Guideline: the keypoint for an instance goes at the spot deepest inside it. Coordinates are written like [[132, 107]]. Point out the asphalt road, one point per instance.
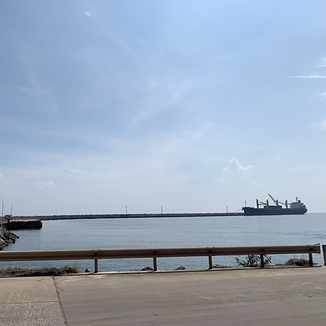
[[282, 296]]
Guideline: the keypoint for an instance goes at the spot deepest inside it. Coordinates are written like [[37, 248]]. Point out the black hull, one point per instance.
[[251, 211]]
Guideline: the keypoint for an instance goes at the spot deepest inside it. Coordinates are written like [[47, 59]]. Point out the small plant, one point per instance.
[[253, 261]]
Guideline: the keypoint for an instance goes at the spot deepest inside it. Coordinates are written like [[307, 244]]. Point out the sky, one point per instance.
[[166, 105]]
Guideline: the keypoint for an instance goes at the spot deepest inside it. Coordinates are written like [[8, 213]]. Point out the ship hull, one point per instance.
[[251, 211]]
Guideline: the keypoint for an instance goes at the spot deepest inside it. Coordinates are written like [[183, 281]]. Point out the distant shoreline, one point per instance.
[[122, 216]]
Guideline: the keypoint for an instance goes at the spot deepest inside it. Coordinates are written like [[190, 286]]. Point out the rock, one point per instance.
[[147, 269], [220, 266], [6, 237], [180, 268]]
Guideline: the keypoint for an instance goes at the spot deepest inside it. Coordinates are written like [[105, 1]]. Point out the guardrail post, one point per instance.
[[210, 262], [311, 263], [95, 265], [155, 263], [324, 253], [262, 262]]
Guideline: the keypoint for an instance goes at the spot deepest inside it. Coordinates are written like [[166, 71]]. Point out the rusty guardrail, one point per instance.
[[154, 253]]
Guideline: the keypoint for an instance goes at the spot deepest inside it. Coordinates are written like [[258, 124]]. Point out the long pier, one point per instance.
[[124, 216]]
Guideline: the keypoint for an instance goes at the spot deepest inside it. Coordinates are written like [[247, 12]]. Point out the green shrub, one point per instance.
[[253, 261]]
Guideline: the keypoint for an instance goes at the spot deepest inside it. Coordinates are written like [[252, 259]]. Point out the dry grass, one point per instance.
[[297, 262], [45, 271]]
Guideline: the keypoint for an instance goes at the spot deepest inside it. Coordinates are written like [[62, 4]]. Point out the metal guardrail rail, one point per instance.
[[154, 253]]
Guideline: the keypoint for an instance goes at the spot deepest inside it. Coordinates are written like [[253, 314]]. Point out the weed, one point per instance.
[[45, 271], [253, 261]]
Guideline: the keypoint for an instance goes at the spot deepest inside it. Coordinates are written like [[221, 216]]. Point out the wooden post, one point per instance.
[[210, 262], [95, 265], [155, 263], [262, 263]]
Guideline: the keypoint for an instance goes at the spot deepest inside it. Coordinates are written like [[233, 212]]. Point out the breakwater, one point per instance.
[[6, 237], [132, 216], [21, 223]]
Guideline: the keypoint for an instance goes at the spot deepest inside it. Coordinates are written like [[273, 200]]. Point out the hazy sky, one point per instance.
[[192, 106]]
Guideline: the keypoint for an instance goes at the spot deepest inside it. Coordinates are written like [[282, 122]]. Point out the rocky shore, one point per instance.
[[6, 237]]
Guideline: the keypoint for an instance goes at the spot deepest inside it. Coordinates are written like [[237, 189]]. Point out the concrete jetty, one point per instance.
[[23, 224], [131, 216], [273, 297]]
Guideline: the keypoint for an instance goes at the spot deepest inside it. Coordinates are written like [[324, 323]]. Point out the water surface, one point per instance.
[[170, 232]]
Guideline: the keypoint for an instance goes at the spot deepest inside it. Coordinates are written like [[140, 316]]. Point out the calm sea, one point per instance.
[[170, 232]]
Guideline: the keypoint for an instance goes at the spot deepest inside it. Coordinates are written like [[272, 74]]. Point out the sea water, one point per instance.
[[169, 232]]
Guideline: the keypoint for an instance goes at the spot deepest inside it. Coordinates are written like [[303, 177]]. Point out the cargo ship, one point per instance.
[[279, 208]]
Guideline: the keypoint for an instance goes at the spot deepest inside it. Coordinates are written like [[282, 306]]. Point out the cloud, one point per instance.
[[77, 171], [163, 93], [310, 77], [323, 94], [236, 171], [87, 13], [319, 125], [279, 155], [323, 63], [45, 185], [300, 169], [40, 93], [1, 175], [35, 89]]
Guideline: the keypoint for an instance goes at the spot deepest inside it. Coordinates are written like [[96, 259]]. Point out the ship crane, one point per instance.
[[277, 202], [285, 204], [274, 200], [261, 203]]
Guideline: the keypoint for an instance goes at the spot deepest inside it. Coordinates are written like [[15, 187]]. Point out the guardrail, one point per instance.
[[154, 253], [324, 253]]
